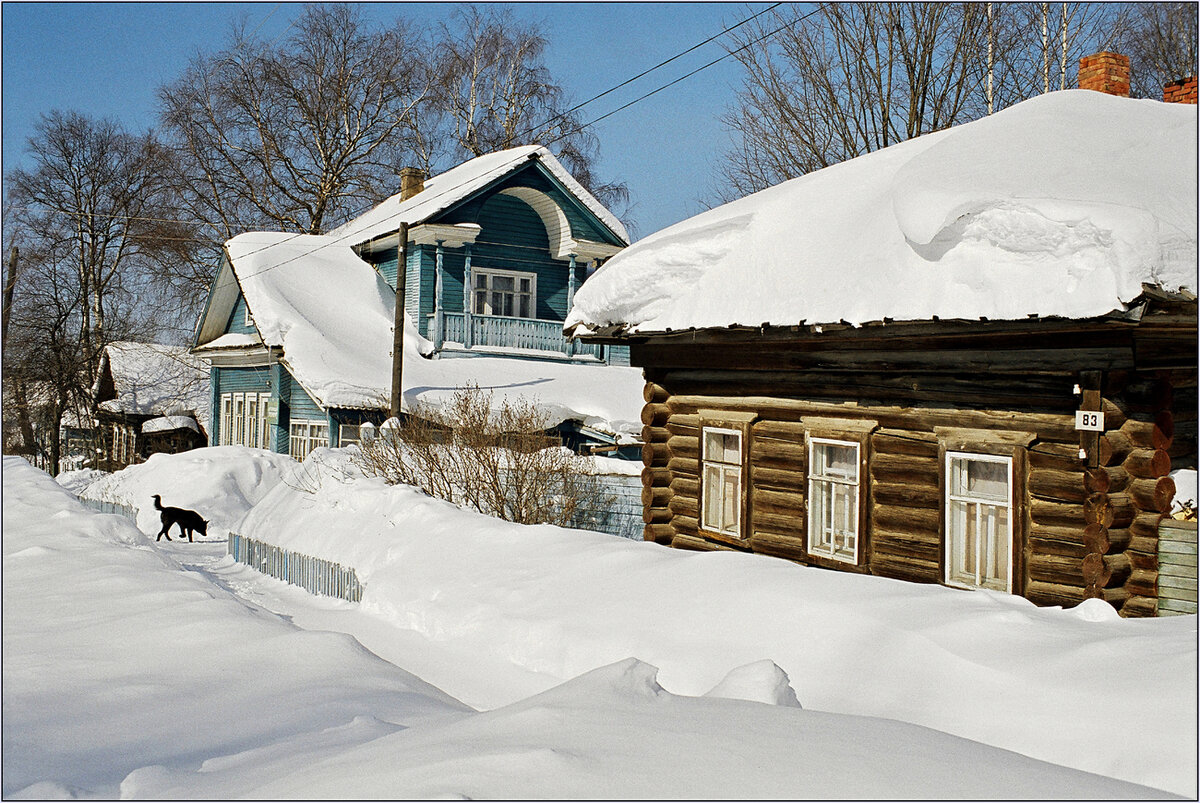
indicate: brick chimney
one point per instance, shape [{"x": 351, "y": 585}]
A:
[
  {"x": 1105, "y": 72},
  {"x": 1181, "y": 91},
  {"x": 412, "y": 181}
]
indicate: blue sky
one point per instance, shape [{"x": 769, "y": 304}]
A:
[{"x": 107, "y": 59}]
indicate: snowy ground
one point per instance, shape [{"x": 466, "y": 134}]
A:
[{"x": 164, "y": 670}]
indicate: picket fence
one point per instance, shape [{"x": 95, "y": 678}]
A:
[
  {"x": 314, "y": 575},
  {"x": 104, "y": 506}
]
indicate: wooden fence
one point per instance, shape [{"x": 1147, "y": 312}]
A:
[
  {"x": 104, "y": 506},
  {"x": 621, "y": 512},
  {"x": 1176, "y": 567},
  {"x": 314, "y": 575}
]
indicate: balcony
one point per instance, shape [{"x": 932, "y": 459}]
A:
[{"x": 501, "y": 332}]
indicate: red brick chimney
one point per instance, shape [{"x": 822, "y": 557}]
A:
[
  {"x": 1181, "y": 91},
  {"x": 412, "y": 181},
  {"x": 1105, "y": 72}
]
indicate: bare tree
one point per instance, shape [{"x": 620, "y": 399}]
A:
[
  {"x": 298, "y": 135},
  {"x": 1161, "y": 42},
  {"x": 495, "y": 92},
  {"x": 857, "y": 77}
]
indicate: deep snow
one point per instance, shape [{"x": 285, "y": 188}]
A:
[{"x": 500, "y": 615}]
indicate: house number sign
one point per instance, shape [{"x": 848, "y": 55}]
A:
[{"x": 1090, "y": 420}]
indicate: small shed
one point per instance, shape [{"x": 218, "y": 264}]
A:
[{"x": 967, "y": 359}]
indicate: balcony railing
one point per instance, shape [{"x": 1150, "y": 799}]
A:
[{"x": 499, "y": 331}]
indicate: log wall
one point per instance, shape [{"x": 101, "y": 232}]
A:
[{"x": 1087, "y": 505}]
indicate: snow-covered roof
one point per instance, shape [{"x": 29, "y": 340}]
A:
[
  {"x": 331, "y": 315},
  {"x": 1063, "y": 205},
  {"x": 153, "y": 379},
  {"x": 446, "y": 189},
  {"x": 168, "y": 423}
]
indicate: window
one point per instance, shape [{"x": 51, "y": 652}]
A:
[
  {"x": 833, "y": 493},
  {"x": 979, "y": 520},
  {"x": 721, "y": 494},
  {"x": 504, "y": 292},
  {"x": 244, "y": 420},
  {"x": 306, "y": 436},
  {"x": 348, "y": 434}
]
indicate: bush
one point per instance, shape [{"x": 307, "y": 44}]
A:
[{"x": 502, "y": 462}]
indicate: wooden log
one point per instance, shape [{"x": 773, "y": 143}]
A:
[
  {"x": 686, "y": 486},
  {"x": 655, "y": 476},
  {"x": 696, "y": 544},
  {"x": 777, "y": 478},
  {"x": 1058, "y": 514},
  {"x": 1116, "y": 596},
  {"x": 1140, "y": 559},
  {"x": 780, "y": 430},
  {"x": 904, "y": 469},
  {"x": 1118, "y": 568},
  {"x": 1114, "y": 416},
  {"x": 1047, "y": 593},
  {"x": 1118, "y": 539},
  {"x": 886, "y": 493},
  {"x": 655, "y": 415},
  {"x": 781, "y": 502},
  {"x": 686, "y": 524},
  {"x": 1123, "y": 510},
  {"x": 1145, "y": 525},
  {"x": 780, "y": 545},
  {"x": 1138, "y": 606},
  {"x": 1064, "y": 541},
  {"x": 1058, "y": 569},
  {"x": 1106, "y": 479},
  {"x": 778, "y": 452},
  {"x": 905, "y": 519},
  {"x": 1148, "y": 463},
  {"x": 1095, "y": 539},
  {"x": 901, "y": 442},
  {"x": 656, "y": 496},
  {"x": 653, "y": 393},
  {"x": 1155, "y": 434},
  {"x": 683, "y": 446},
  {"x": 1055, "y": 456},
  {"x": 684, "y": 466},
  {"x": 1142, "y": 583},
  {"x": 1095, "y": 572},
  {"x": 656, "y": 515},
  {"x": 655, "y": 434},
  {"x": 1153, "y": 495},
  {"x": 658, "y": 533},
  {"x": 655, "y": 455},
  {"x": 680, "y": 420},
  {"x": 904, "y": 545},
  {"x": 684, "y": 506},
  {"x": 781, "y": 523},
  {"x": 1113, "y": 447},
  {"x": 1059, "y": 486},
  {"x": 1147, "y": 394},
  {"x": 904, "y": 568}
]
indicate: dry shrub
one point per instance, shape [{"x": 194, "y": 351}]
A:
[{"x": 502, "y": 462}]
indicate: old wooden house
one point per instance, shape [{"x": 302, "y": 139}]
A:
[
  {"x": 968, "y": 359},
  {"x": 149, "y": 398},
  {"x": 298, "y": 328}
]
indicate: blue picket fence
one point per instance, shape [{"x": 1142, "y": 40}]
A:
[
  {"x": 104, "y": 506},
  {"x": 314, "y": 575}
]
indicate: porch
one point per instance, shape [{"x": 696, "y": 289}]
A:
[{"x": 499, "y": 331}]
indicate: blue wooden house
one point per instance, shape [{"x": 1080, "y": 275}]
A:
[{"x": 298, "y": 328}]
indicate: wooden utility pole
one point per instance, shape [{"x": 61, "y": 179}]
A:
[
  {"x": 398, "y": 325},
  {"x": 10, "y": 282}
]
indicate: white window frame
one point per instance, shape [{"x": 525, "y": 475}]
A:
[
  {"x": 517, "y": 275},
  {"x": 718, "y": 488},
  {"x": 244, "y": 420},
  {"x": 343, "y": 440},
  {"x": 304, "y": 435},
  {"x": 822, "y": 484},
  {"x": 952, "y": 536}
]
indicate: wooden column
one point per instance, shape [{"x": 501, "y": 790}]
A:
[
  {"x": 656, "y": 476},
  {"x": 439, "y": 312},
  {"x": 468, "y": 339},
  {"x": 571, "y": 300}
]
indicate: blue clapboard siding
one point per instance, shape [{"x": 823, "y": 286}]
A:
[
  {"x": 235, "y": 380},
  {"x": 237, "y": 318},
  {"x": 301, "y": 406}
]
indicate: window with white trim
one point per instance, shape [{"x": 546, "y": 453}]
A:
[
  {"x": 306, "y": 436},
  {"x": 833, "y": 494},
  {"x": 979, "y": 520},
  {"x": 721, "y": 472},
  {"x": 504, "y": 292},
  {"x": 349, "y": 433},
  {"x": 244, "y": 420}
]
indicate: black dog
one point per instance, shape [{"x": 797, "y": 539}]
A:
[{"x": 188, "y": 520}]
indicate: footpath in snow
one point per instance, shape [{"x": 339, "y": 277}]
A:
[{"x": 126, "y": 672}]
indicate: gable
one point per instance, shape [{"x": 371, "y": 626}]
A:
[{"x": 237, "y": 322}]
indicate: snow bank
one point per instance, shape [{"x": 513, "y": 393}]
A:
[
  {"x": 116, "y": 659},
  {"x": 336, "y": 338},
  {"x": 1059, "y": 206},
  {"x": 219, "y": 482},
  {"x": 988, "y": 667}
]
